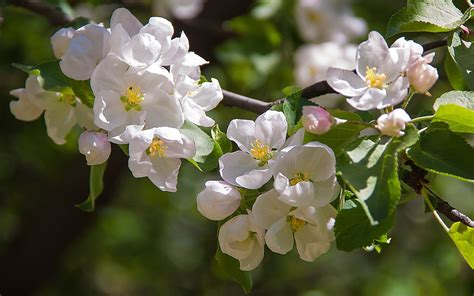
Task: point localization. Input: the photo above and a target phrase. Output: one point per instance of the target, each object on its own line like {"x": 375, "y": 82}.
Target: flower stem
{"x": 408, "y": 99}
{"x": 435, "y": 214}
{"x": 422, "y": 118}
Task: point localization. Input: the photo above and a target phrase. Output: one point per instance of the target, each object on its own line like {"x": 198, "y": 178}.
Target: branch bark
{"x": 55, "y": 16}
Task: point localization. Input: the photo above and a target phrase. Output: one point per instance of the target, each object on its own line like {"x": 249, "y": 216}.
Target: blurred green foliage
{"x": 146, "y": 242}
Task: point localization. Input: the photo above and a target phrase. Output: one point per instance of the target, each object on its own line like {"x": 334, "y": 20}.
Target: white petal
{"x": 311, "y": 242}
{"x": 300, "y": 194}
{"x": 371, "y": 98}
{"x": 177, "y": 144}
{"x": 127, "y": 20}
{"x": 108, "y": 75}
{"x": 85, "y": 117}
{"x": 59, "y": 120}
{"x": 141, "y": 51}
{"x": 195, "y": 113}
{"x": 218, "y": 200}
{"x": 139, "y": 166}
{"x": 242, "y": 132}
{"x": 267, "y": 209}
{"x": 165, "y": 173}
{"x": 240, "y": 169}
{"x": 371, "y": 53}
{"x": 254, "y": 179}
{"x": 130, "y": 132}
{"x": 109, "y": 112}
{"x": 271, "y": 128}
{"x": 26, "y": 107}
{"x": 396, "y": 93}
{"x": 346, "y": 82}
{"x": 162, "y": 110}
{"x": 60, "y": 41}
{"x": 325, "y": 191}
{"x": 279, "y": 237}
{"x": 208, "y": 95}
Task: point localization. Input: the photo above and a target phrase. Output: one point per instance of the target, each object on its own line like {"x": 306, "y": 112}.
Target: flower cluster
{"x": 146, "y": 84}
{"x": 295, "y": 209}
{"x": 384, "y": 74}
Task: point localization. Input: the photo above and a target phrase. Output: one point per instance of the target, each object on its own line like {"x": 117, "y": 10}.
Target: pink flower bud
{"x": 394, "y": 123}
{"x": 316, "y": 120}
{"x": 95, "y": 146}
{"x": 421, "y": 75}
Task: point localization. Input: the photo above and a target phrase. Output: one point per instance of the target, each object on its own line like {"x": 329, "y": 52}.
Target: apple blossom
{"x": 29, "y": 105}
{"x": 316, "y": 120}
{"x": 156, "y": 153}
{"x": 95, "y": 146}
{"x": 394, "y": 123}
{"x": 415, "y": 49}
{"x": 320, "y": 21}
{"x": 421, "y": 75}
{"x": 127, "y": 96}
{"x": 378, "y": 81}
{"x": 259, "y": 141}
{"x": 242, "y": 239}
{"x": 87, "y": 47}
{"x": 310, "y": 226}
{"x": 218, "y": 200}
{"x": 306, "y": 174}
{"x": 313, "y": 60}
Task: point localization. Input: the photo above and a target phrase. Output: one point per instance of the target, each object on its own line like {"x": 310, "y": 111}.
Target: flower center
{"x": 67, "y": 98}
{"x": 261, "y": 152}
{"x": 299, "y": 177}
{"x": 373, "y": 79}
{"x": 157, "y": 148}
{"x": 132, "y": 98}
{"x": 313, "y": 16}
{"x": 296, "y": 223}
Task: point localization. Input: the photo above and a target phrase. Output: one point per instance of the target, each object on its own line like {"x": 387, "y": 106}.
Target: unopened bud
{"x": 394, "y": 123}
{"x": 218, "y": 200}
{"x": 421, "y": 75}
{"x": 316, "y": 120}
{"x": 95, "y": 146}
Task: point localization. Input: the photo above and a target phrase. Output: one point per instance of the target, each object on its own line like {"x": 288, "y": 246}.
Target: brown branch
{"x": 55, "y": 16}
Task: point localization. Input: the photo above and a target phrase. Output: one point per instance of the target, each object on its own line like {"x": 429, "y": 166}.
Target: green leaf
{"x": 427, "y": 16}
{"x": 124, "y": 148}
{"x": 230, "y": 268}
{"x": 51, "y": 74}
{"x": 293, "y": 109}
{"x": 444, "y": 152}
{"x": 354, "y": 230}
{"x": 82, "y": 90}
{"x": 461, "y": 98}
{"x": 221, "y": 139}
{"x": 370, "y": 169}
{"x": 337, "y": 137}
{"x": 96, "y": 186}
{"x": 455, "y": 76}
{"x": 341, "y": 114}
{"x": 458, "y": 118}
{"x": 463, "y": 55}
{"x": 463, "y": 238}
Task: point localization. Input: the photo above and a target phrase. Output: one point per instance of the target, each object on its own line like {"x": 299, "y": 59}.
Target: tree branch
{"x": 55, "y": 16}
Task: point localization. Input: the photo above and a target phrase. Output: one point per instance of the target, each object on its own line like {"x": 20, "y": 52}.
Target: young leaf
{"x": 463, "y": 238}
{"x": 427, "y": 16}
{"x": 370, "y": 170}
{"x": 444, "y": 152}
{"x": 354, "y": 230}
{"x": 454, "y": 74}
{"x": 230, "y": 268}
{"x": 204, "y": 143}
{"x": 221, "y": 139}
{"x": 293, "y": 109}
{"x": 95, "y": 187}
{"x": 337, "y": 137}
{"x": 458, "y": 118}
{"x": 463, "y": 55}
{"x": 461, "y": 98}
{"x": 82, "y": 90}
{"x": 51, "y": 74}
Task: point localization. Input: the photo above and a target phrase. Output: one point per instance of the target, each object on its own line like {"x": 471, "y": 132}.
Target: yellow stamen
{"x": 296, "y": 223}
{"x": 132, "y": 98}
{"x": 313, "y": 16}
{"x": 157, "y": 148}
{"x": 261, "y": 152}
{"x": 299, "y": 177}
{"x": 373, "y": 79}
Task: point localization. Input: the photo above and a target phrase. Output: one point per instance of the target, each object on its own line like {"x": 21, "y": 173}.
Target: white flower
{"x": 218, "y": 200}
{"x": 394, "y": 123}
{"x": 313, "y": 60}
{"x": 421, "y": 75}
{"x": 140, "y": 46}
{"x": 87, "y": 47}
{"x": 156, "y": 153}
{"x": 180, "y": 9}
{"x": 62, "y": 110}
{"x": 378, "y": 81}
{"x": 30, "y": 100}
{"x": 259, "y": 142}
{"x": 311, "y": 226}
{"x": 415, "y": 49}
{"x": 242, "y": 239}
{"x": 316, "y": 120}
{"x": 323, "y": 20}
{"x": 125, "y": 96}
{"x": 305, "y": 175}
{"x": 60, "y": 41}
{"x": 95, "y": 146}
